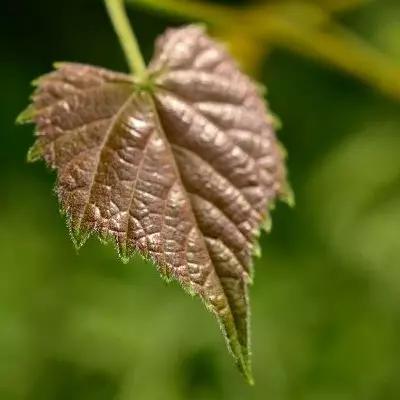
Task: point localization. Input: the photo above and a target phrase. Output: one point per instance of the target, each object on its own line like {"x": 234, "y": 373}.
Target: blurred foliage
{"x": 326, "y": 319}
{"x": 304, "y": 26}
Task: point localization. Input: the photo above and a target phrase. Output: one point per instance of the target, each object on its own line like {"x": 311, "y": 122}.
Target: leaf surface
{"x": 182, "y": 170}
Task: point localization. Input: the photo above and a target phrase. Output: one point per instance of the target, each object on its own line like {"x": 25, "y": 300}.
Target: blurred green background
{"x": 325, "y": 302}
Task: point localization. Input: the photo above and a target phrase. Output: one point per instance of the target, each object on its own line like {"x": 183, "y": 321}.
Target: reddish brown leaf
{"x": 181, "y": 168}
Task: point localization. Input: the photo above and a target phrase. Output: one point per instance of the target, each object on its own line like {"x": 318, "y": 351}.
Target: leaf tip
{"x": 191, "y": 291}
{"x": 245, "y": 370}
{"x": 267, "y": 224}
{"x": 123, "y": 252}
{"x": 257, "y": 249}
{"x": 282, "y": 150}
{"x": 59, "y": 64}
{"x": 276, "y": 122}
{"x": 200, "y": 26}
{"x": 25, "y": 116}
{"x": 125, "y": 259}
{"x": 249, "y": 278}
{"x": 78, "y": 237}
{"x": 165, "y": 274}
{"x": 288, "y": 196}
{"x": 35, "y": 153}
{"x": 166, "y": 279}
{"x": 262, "y": 89}
{"x": 36, "y": 82}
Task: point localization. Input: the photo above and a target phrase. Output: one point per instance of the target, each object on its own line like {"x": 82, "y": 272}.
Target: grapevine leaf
{"x": 181, "y": 169}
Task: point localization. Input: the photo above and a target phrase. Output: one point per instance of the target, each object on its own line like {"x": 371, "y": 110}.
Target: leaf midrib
{"x": 242, "y": 359}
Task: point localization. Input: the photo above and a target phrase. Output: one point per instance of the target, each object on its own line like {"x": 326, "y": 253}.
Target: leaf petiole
{"x": 126, "y": 36}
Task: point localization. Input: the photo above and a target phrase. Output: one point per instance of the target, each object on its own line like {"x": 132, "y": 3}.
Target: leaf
{"x": 181, "y": 168}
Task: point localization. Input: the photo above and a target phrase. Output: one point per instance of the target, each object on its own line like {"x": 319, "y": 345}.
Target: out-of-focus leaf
{"x": 301, "y": 26}
{"x": 383, "y": 26}
{"x": 328, "y": 5}
{"x": 335, "y": 46}
{"x": 303, "y": 12}
{"x": 181, "y": 168}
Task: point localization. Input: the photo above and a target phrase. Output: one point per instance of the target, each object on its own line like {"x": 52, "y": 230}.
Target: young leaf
{"x": 181, "y": 167}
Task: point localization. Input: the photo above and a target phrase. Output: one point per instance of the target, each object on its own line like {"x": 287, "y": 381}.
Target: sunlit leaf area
{"x": 82, "y": 325}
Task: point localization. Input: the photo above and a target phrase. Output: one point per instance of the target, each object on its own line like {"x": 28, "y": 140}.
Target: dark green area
{"x": 326, "y": 319}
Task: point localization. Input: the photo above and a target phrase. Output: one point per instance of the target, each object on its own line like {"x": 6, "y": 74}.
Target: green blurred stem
{"x": 190, "y": 9}
{"x": 338, "y": 47}
{"x": 318, "y": 37}
{"x": 126, "y": 36}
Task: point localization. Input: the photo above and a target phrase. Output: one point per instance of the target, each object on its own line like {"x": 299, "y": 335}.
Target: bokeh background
{"x": 325, "y": 302}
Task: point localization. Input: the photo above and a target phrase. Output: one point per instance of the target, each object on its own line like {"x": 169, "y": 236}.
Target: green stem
{"x": 126, "y": 36}
{"x": 192, "y": 9}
